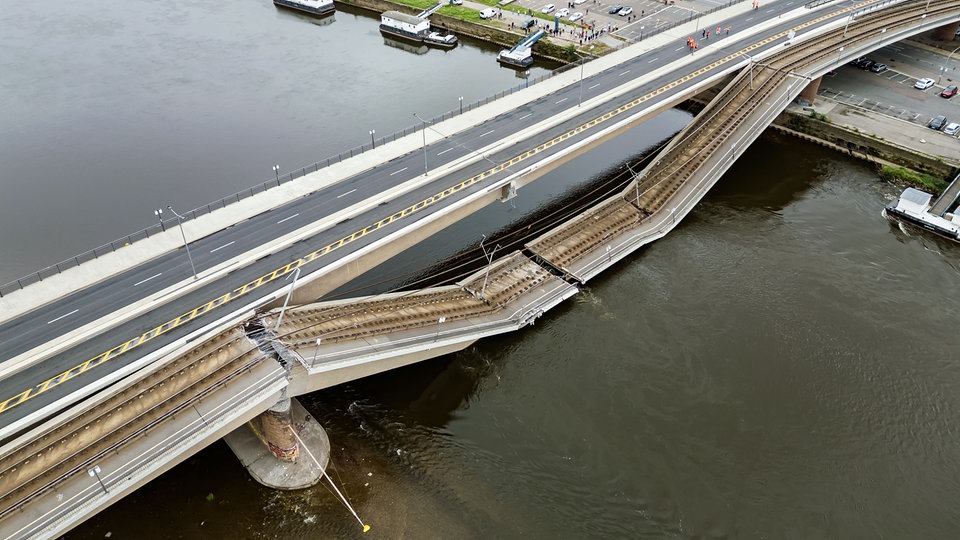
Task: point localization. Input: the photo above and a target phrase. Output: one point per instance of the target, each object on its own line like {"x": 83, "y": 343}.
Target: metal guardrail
{"x": 123, "y": 241}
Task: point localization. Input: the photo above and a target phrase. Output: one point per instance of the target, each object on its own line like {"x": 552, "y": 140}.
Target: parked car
{"x": 457, "y": 2}
{"x": 575, "y": 17}
{"x": 563, "y": 13}
{"x": 866, "y": 63}
{"x": 615, "y": 9}
{"x": 949, "y": 92}
{"x": 548, "y": 8}
{"x": 923, "y": 83}
{"x": 879, "y": 67}
{"x": 856, "y": 61}
{"x": 952, "y": 129}
{"x": 625, "y": 11}
{"x": 578, "y": 2}
{"x": 529, "y": 23}
{"x": 488, "y": 13}
{"x": 938, "y": 123}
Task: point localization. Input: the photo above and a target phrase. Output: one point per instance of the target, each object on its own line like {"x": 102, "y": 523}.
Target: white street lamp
{"x": 159, "y": 213}
{"x": 296, "y": 274}
{"x": 184, "y": 236}
{"x": 425, "y": 170}
{"x": 95, "y": 472}
{"x": 582, "y": 60}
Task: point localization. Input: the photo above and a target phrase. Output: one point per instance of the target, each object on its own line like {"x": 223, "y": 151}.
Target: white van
{"x": 488, "y": 13}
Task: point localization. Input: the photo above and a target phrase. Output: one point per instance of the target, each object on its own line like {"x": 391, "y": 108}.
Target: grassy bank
{"x": 918, "y": 180}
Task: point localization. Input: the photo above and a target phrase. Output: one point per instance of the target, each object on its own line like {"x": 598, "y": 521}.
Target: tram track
{"x": 69, "y": 449}
{"x": 72, "y": 447}
{"x": 715, "y": 125}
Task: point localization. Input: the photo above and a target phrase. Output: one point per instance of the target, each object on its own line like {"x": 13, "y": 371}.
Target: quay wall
{"x": 865, "y": 145}
{"x": 483, "y": 32}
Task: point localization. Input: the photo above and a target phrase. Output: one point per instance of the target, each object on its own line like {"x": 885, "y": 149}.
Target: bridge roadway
{"x": 661, "y": 76}
{"x": 518, "y": 290}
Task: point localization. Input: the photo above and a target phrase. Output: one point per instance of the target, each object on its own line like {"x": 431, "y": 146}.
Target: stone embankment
{"x": 491, "y": 34}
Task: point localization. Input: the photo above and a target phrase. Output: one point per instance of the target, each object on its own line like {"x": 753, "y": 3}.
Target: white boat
{"x": 446, "y": 41}
{"x": 400, "y": 25}
{"x": 313, "y": 7}
{"x": 913, "y": 207}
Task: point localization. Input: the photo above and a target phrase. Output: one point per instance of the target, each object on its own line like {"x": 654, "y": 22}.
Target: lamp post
{"x": 461, "y": 104}
{"x": 373, "y": 142}
{"x": 159, "y": 213}
{"x": 850, "y": 18}
{"x": 750, "y": 58}
{"x": 946, "y": 64}
{"x": 296, "y": 274}
{"x": 641, "y": 33}
{"x": 582, "y": 60}
{"x": 276, "y": 172}
{"x": 839, "y": 52}
{"x": 184, "y": 236}
{"x": 425, "y": 170}
{"x": 317, "y": 351}
{"x": 489, "y": 258}
{"x": 95, "y": 472}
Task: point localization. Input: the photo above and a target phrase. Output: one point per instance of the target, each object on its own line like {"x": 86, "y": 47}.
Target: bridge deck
{"x": 515, "y": 283}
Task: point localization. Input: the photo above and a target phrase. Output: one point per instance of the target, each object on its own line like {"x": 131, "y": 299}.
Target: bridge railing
{"x": 290, "y": 176}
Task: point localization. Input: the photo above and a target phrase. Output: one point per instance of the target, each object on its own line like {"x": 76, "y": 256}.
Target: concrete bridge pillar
{"x": 809, "y": 93}
{"x": 276, "y": 429}
{"x": 283, "y": 448}
{"x": 946, "y": 32}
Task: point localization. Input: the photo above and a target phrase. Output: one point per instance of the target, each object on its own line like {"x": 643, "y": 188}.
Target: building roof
{"x": 403, "y": 17}
{"x": 916, "y": 196}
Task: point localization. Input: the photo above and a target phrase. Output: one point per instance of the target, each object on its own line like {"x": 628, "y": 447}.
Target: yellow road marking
{"x": 189, "y": 316}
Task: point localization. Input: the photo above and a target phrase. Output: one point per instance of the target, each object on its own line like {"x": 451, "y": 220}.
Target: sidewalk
{"x": 894, "y": 130}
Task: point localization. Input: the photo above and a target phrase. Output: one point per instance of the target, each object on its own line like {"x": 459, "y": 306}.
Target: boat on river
{"x": 444, "y": 41}
{"x": 402, "y": 26}
{"x": 313, "y": 7}
{"x": 521, "y": 54}
{"x": 913, "y": 207}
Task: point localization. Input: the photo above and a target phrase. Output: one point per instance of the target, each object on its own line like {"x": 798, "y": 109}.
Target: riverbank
{"x": 466, "y": 21}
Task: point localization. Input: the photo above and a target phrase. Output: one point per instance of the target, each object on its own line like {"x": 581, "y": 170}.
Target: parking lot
{"x": 892, "y": 91}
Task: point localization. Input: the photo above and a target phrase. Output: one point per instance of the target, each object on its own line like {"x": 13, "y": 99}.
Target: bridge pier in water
{"x": 282, "y": 448}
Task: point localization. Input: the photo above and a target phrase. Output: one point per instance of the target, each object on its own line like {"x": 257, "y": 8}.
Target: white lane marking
{"x": 527, "y": 116}
{"x": 677, "y": 49}
{"x": 624, "y": 73}
{"x": 749, "y": 19}
{"x": 561, "y": 101}
{"x": 290, "y": 217}
{"x": 398, "y": 172}
{"x": 146, "y": 280}
{"x": 487, "y": 133}
{"x": 347, "y": 193}
{"x": 62, "y": 316}
{"x": 592, "y": 87}
{"x": 445, "y": 151}
{"x": 223, "y": 246}
{"x": 654, "y": 60}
